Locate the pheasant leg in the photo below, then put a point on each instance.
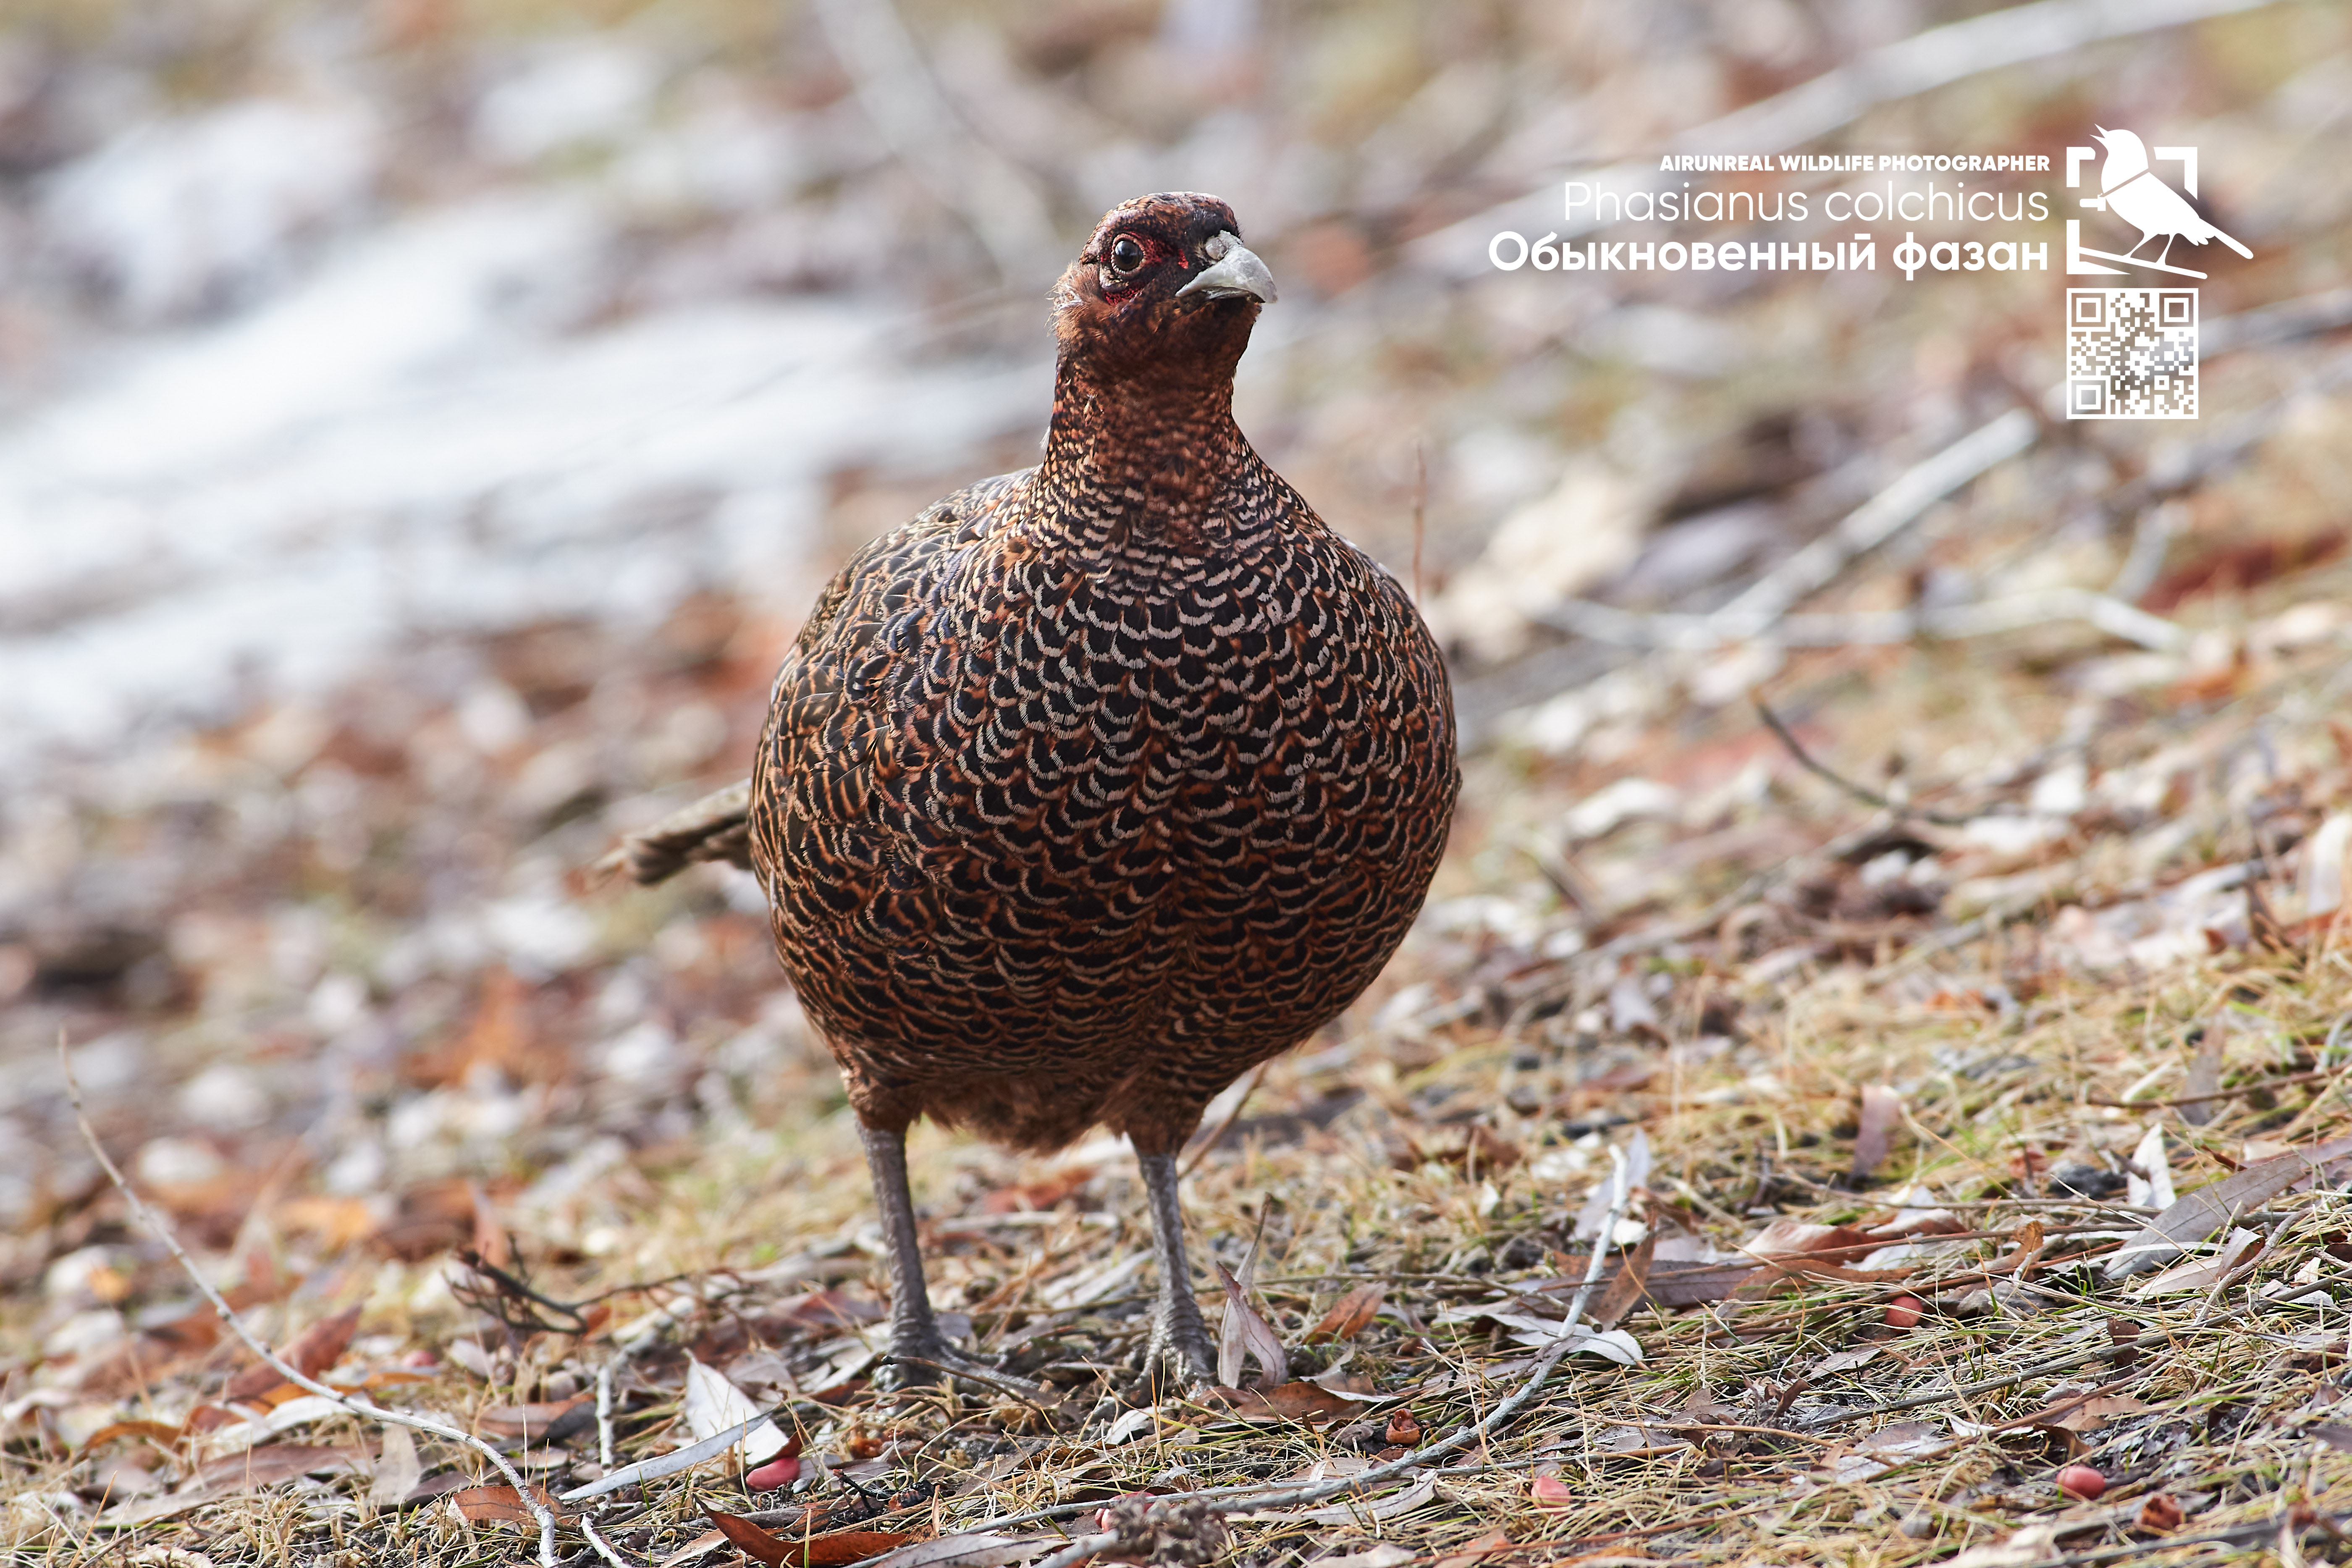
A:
(1179, 1338)
(918, 1352)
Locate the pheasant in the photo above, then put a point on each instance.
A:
(1097, 783)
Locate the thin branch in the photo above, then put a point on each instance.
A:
(2232, 1094)
(1872, 628)
(1082, 1548)
(510, 1288)
(358, 1404)
(669, 1464)
(609, 1553)
(1875, 522)
(2285, 322)
(1860, 791)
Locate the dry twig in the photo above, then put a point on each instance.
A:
(1860, 791)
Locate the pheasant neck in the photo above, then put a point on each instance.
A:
(1138, 459)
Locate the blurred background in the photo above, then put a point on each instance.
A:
(423, 423)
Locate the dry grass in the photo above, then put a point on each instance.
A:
(1445, 1159)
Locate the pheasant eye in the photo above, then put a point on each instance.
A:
(1126, 256)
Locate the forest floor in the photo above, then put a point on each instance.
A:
(1895, 1086)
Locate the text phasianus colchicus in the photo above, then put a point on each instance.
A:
(1098, 783)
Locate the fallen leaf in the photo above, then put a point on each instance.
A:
(384, 1377)
(1302, 1401)
(840, 1546)
(1350, 1315)
(2083, 1415)
(2333, 1433)
(2239, 565)
(1785, 1236)
(1779, 1271)
(297, 1412)
(661, 1465)
(976, 1550)
(707, 1541)
(754, 1539)
(1245, 1331)
(525, 1420)
(499, 1505)
(2028, 1250)
(2161, 1515)
(2192, 1218)
(2324, 859)
(336, 1222)
(1904, 1438)
(1471, 1554)
(2202, 1273)
(155, 1431)
(1626, 1287)
(714, 1406)
(1295, 1400)
(229, 1476)
(397, 1469)
(316, 1348)
(2205, 1073)
(1355, 1385)
(1881, 1107)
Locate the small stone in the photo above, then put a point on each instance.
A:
(2082, 1481)
(1551, 1491)
(774, 1475)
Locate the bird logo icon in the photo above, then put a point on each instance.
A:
(2131, 189)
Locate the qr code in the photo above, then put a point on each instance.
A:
(2131, 353)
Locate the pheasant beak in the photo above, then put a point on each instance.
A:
(1234, 273)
